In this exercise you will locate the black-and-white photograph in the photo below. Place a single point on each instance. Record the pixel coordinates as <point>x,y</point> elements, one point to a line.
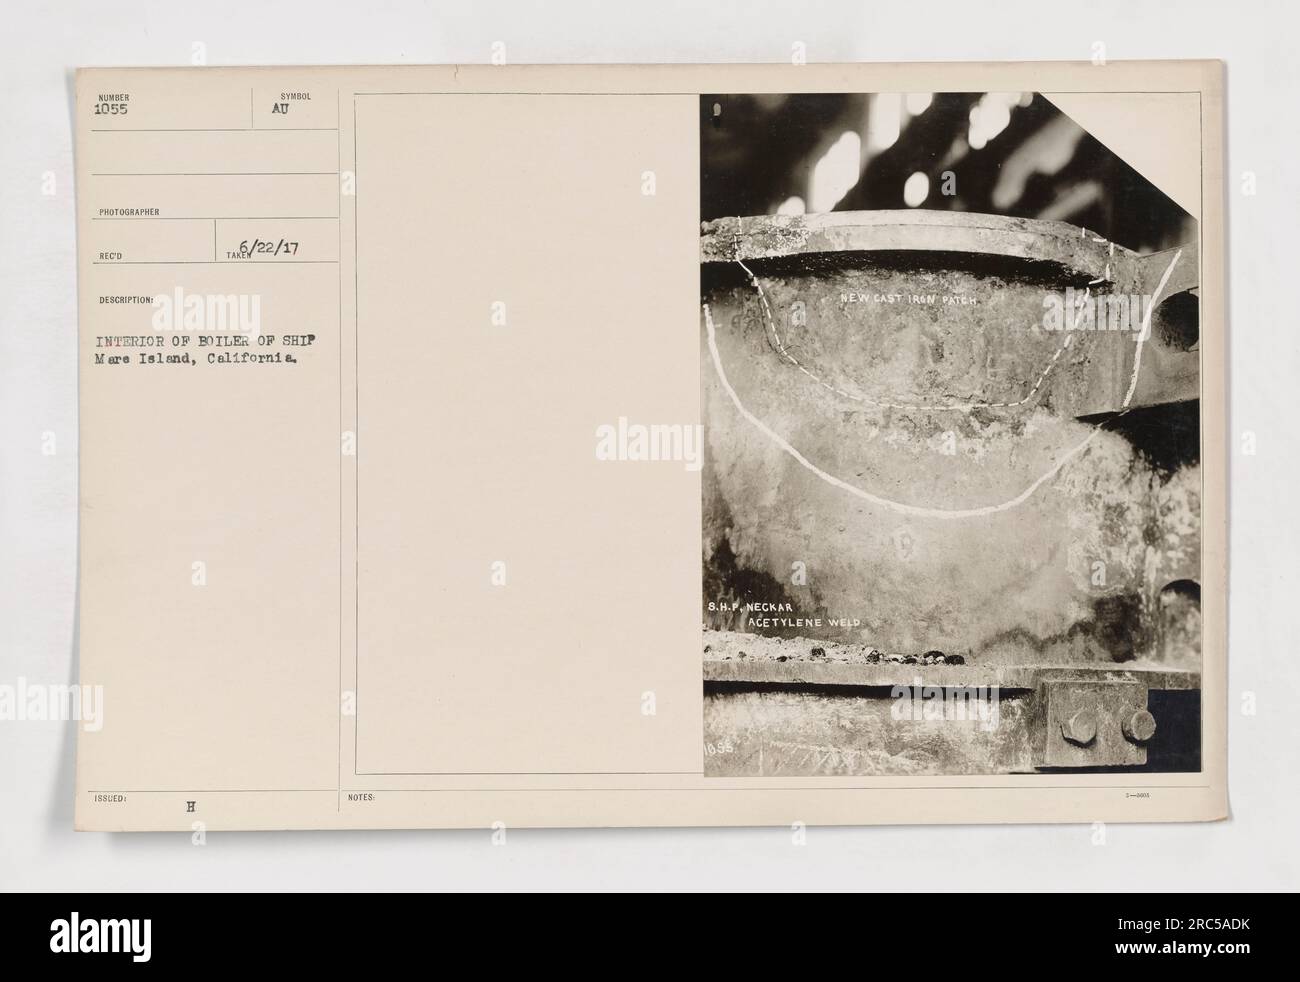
<point>951,487</point>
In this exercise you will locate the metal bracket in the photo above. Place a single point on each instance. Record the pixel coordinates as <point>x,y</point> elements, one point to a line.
<point>1092,723</point>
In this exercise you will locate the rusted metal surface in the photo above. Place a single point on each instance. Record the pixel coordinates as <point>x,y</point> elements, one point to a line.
<point>780,708</point>
<point>1073,248</point>
<point>775,733</point>
<point>779,236</point>
<point>1064,725</point>
<point>885,406</point>
<point>885,676</point>
<point>1042,255</point>
<point>892,412</point>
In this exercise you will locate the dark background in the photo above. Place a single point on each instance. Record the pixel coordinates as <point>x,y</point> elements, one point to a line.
<point>1011,154</point>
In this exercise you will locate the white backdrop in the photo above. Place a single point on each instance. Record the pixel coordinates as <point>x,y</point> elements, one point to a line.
<point>40,45</point>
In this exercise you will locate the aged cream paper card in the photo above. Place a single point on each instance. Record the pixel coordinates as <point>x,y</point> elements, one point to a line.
<point>586,446</point>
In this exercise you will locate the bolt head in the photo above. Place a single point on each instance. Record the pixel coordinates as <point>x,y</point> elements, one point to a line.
<point>1139,726</point>
<point>1080,728</point>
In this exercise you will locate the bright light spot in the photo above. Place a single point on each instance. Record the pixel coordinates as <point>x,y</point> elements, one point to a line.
<point>792,206</point>
<point>916,190</point>
<point>996,119</point>
<point>884,122</point>
<point>918,102</point>
<point>990,116</point>
<point>836,172</point>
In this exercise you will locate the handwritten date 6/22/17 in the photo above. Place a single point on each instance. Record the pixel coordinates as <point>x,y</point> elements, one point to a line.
<point>264,248</point>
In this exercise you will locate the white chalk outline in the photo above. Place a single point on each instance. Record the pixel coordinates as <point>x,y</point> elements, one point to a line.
<point>1146,327</point>
<point>898,506</point>
<point>917,510</point>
